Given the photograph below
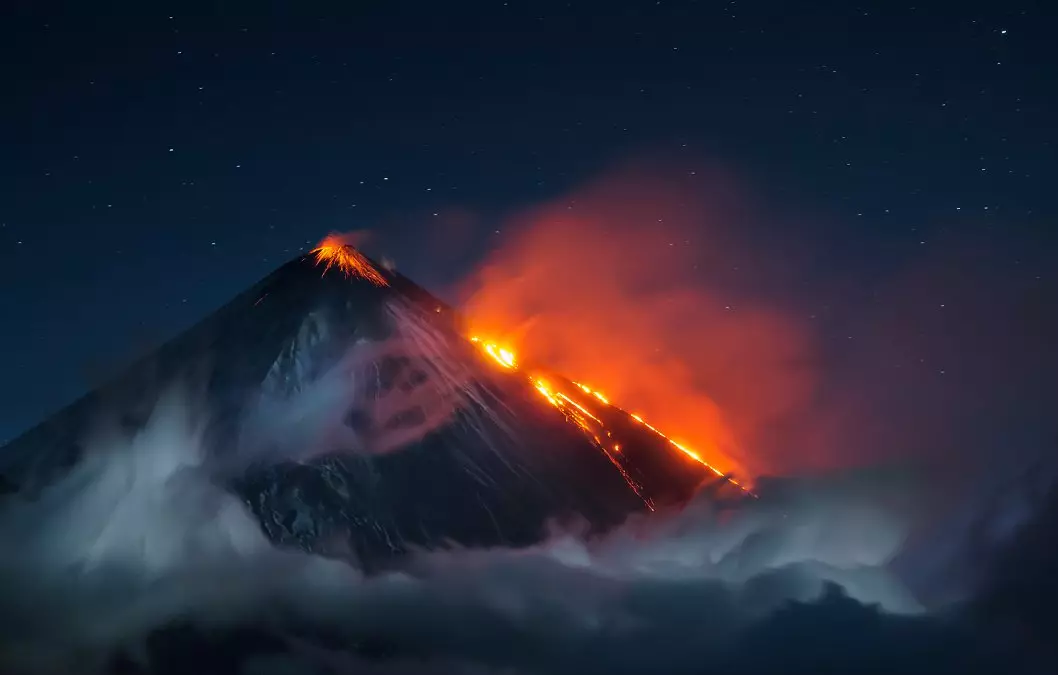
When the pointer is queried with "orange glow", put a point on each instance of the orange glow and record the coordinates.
(649, 289)
(502, 356)
(333, 251)
(579, 407)
(577, 414)
(588, 390)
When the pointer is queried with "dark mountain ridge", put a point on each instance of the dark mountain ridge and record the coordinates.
(453, 448)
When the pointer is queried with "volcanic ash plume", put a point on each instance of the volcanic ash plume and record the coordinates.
(606, 286)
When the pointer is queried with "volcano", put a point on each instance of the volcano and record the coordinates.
(351, 411)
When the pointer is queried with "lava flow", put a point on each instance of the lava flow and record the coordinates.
(334, 252)
(578, 414)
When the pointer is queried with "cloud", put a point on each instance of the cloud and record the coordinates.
(138, 551)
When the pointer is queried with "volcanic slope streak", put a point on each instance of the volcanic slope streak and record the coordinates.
(349, 408)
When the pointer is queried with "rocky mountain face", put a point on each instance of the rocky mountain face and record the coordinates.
(356, 417)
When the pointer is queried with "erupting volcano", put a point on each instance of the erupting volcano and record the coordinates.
(334, 252)
(352, 410)
(335, 457)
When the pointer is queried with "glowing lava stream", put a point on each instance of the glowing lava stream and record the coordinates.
(332, 252)
(580, 416)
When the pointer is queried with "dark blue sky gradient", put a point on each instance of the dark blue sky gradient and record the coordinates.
(157, 158)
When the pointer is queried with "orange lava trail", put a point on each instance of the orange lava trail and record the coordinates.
(580, 416)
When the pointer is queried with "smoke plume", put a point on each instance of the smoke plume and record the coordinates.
(631, 285)
(777, 342)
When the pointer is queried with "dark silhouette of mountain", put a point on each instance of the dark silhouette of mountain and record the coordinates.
(435, 441)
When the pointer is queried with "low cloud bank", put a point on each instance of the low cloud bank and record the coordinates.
(140, 547)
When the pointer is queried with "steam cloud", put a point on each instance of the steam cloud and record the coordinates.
(375, 397)
(140, 537)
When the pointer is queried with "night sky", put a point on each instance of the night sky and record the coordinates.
(157, 158)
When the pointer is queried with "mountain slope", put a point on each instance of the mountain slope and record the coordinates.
(350, 412)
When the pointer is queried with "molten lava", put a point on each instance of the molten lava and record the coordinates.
(578, 414)
(504, 357)
(333, 252)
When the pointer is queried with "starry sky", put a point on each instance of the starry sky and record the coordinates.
(157, 158)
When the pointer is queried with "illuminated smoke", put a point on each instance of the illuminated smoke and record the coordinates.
(626, 285)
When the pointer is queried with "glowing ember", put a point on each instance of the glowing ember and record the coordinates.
(578, 414)
(588, 390)
(542, 387)
(504, 357)
(332, 252)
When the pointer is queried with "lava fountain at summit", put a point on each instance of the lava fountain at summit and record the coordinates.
(333, 251)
